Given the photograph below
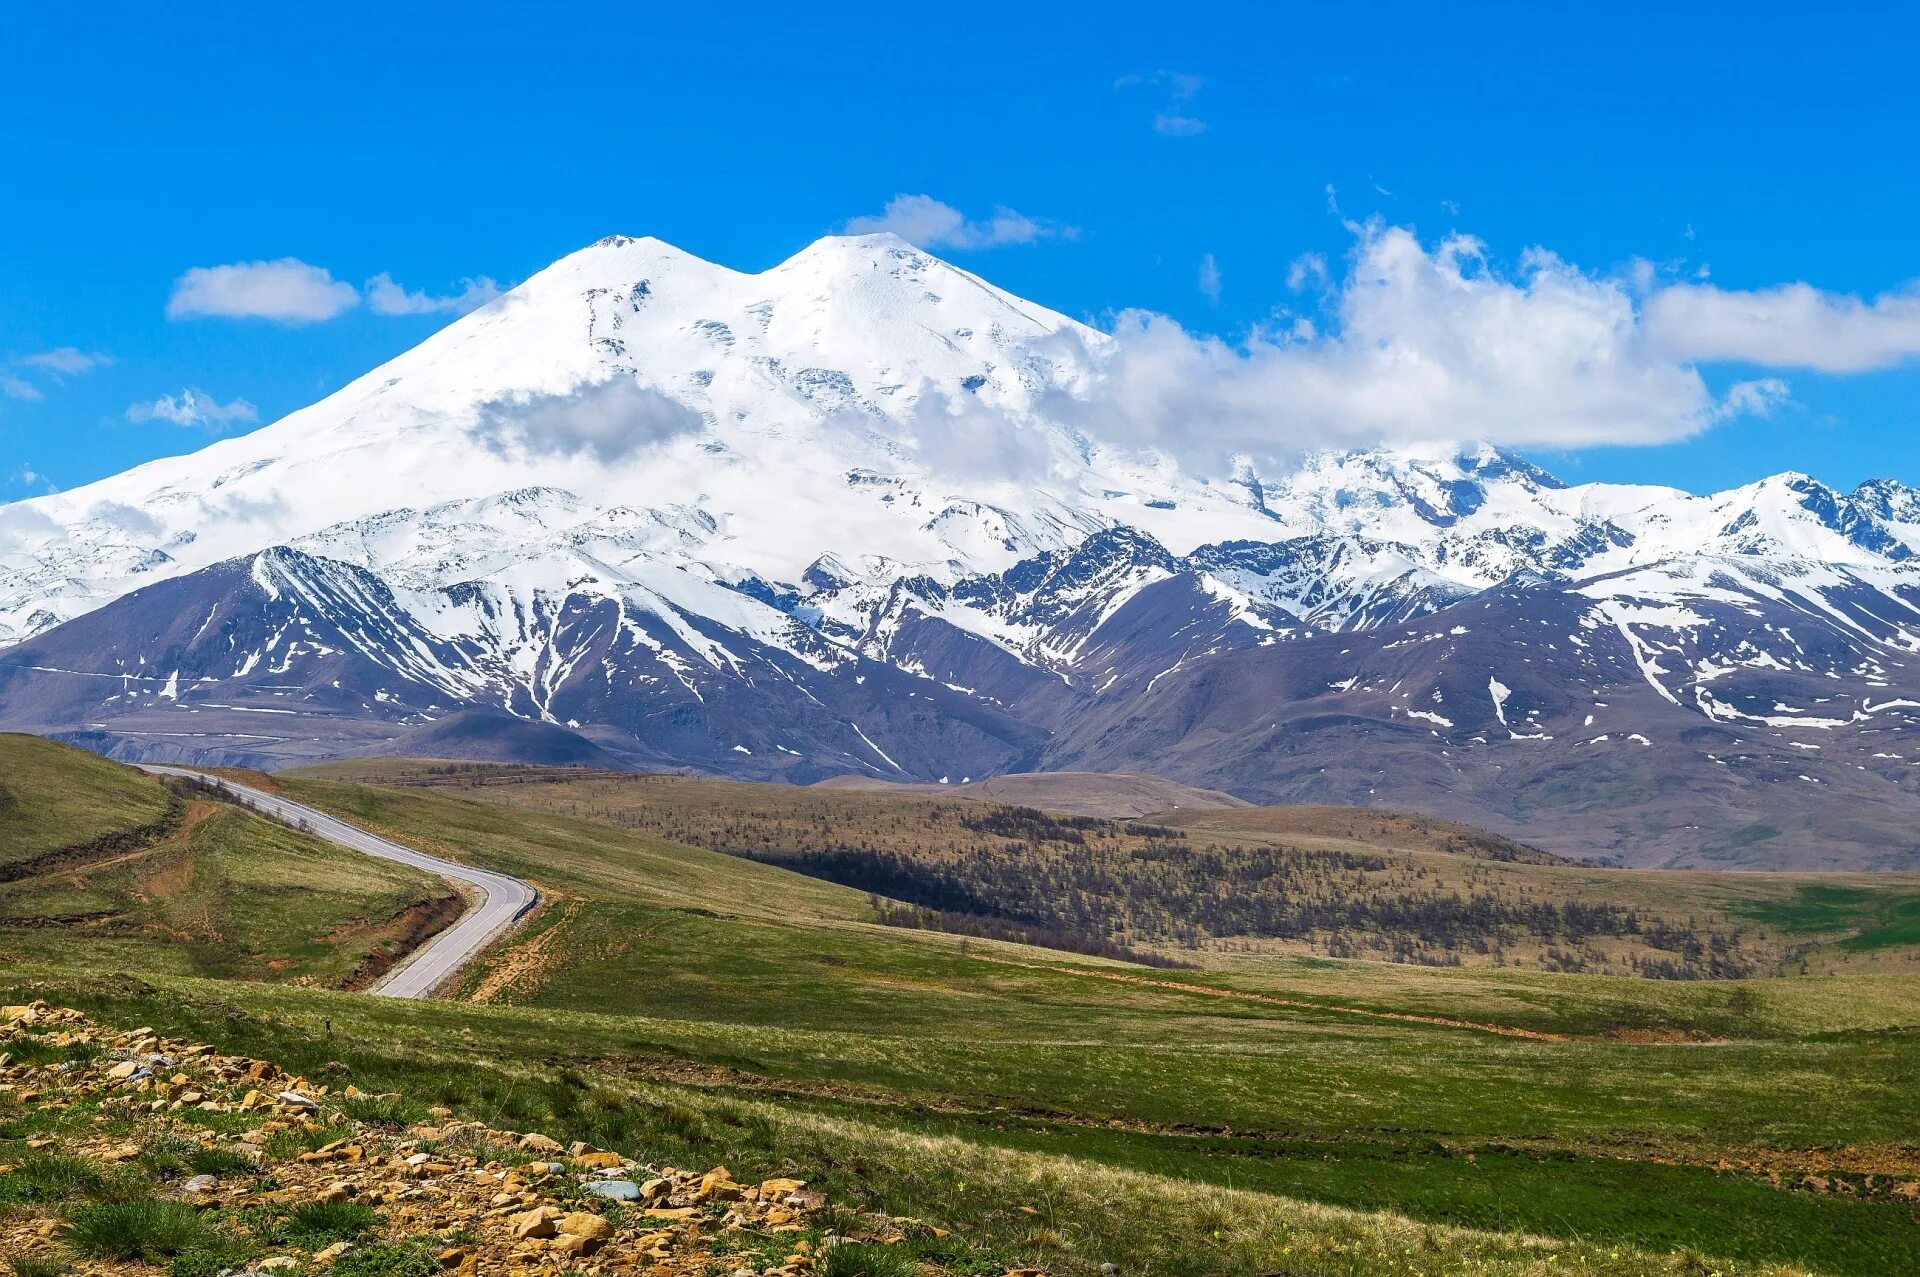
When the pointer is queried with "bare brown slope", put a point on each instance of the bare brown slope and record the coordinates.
(1117, 795)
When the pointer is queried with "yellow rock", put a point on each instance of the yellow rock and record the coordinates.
(541, 1221)
(586, 1224)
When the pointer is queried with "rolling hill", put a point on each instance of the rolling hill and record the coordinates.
(1266, 1109)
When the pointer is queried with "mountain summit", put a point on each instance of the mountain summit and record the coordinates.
(850, 514)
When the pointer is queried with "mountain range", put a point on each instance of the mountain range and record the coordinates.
(854, 515)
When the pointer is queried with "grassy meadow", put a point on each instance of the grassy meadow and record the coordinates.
(1261, 1112)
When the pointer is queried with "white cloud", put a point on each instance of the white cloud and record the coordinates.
(1308, 269)
(194, 408)
(1421, 343)
(384, 297)
(1210, 279)
(1167, 124)
(1790, 326)
(609, 421)
(929, 223)
(17, 387)
(67, 361)
(288, 290)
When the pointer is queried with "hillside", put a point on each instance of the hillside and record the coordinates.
(1219, 885)
(690, 1007)
(169, 877)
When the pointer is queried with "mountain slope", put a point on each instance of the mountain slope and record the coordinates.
(844, 516)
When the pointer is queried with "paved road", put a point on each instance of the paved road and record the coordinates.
(502, 899)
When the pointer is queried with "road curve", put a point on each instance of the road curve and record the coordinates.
(503, 900)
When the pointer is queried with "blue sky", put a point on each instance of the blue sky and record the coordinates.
(436, 144)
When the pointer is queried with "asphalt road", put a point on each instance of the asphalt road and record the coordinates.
(502, 899)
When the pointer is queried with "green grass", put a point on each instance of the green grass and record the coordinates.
(148, 1230)
(1552, 1155)
(316, 1224)
(404, 1259)
(690, 1007)
(48, 1177)
(855, 1259)
(36, 1266)
(230, 894)
(53, 796)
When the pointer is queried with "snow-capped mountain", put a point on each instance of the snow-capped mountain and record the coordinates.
(847, 514)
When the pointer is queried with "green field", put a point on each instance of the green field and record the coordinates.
(171, 880)
(1263, 1113)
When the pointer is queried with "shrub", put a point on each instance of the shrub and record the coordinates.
(151, 1231)
(36, 1266)
(862, 1259)
(385, 1110)
(317, 1224)
(217, 1161)
(48, 1177)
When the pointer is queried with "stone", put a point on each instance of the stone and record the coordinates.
(278, 1264)
(541, 1221)
(328, 1254)
(299, 1101)
(615, 1190)
(600, 1161)
(201, 1184)
(538, 1143)
(586, 1224)
(124, 1069)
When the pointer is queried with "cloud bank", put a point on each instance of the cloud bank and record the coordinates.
(1421, 343)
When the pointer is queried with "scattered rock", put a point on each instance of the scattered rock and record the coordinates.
(433, 1182)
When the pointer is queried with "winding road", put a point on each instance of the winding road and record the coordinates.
(503, 900)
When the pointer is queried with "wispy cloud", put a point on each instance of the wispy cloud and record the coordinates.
(1210, 279)
(930, 223)
(194, 408)
(68, 361)
(384, 297)
(18, 387)
(287, 291)
(1173, 90)
(1167, 125)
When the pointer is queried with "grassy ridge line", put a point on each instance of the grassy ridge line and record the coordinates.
(205, 887)
(1064, 1212)
(1328, 881)
(54, 797)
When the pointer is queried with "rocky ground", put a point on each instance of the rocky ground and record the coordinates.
(123, 1152)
